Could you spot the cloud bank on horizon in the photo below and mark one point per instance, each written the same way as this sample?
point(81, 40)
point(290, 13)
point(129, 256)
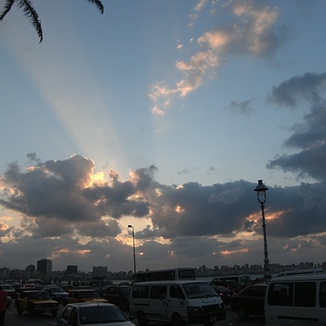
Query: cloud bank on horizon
point(61, 201)
point(73, 212)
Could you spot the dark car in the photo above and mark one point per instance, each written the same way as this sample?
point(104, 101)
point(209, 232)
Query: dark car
point(56, 292)
point(225, 293)
point(249, 301)
point(118, 295)
point(11, 292)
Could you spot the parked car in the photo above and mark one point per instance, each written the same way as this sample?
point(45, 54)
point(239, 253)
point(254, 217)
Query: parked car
point(36, 303)
point(225, 293)
point(249, 301)
point(56, 292)
point(91, 313)
point(11, 292)
point(83, 295)
point(118, 295)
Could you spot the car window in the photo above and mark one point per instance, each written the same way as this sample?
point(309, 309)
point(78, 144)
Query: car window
point(140, 291)
point(66, 313)
point(305, 294)
point(73, 316)
point(261, 291)
point(281, 294)
point(323, 294)
point(250, 291)
point(158, 292)
point(126, 290)
point(176, 292)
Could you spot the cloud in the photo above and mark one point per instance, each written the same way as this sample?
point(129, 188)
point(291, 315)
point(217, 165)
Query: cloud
point(185, 221)
point(251, 32)
point(308, 136)
point(308, 87)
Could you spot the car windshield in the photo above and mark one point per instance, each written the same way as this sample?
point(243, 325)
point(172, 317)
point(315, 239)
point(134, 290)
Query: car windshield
point(101, 315)
point(199, 290)
point(126, 290)
point(39, 296)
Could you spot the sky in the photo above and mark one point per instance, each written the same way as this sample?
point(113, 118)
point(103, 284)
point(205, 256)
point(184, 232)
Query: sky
point(163, 115)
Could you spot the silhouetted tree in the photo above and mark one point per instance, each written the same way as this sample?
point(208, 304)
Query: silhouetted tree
point(30, 12)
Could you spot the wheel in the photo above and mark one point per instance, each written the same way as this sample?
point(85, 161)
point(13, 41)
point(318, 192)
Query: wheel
point(177, 320)
point(142, 319)
point(243, 313)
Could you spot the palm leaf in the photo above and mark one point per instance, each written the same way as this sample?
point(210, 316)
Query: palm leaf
point(6, 8)
point(98, 4)
point(31, 13)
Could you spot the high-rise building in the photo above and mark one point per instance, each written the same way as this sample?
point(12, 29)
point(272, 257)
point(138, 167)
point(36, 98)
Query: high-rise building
point(100, 271)
point(44, 266)
point(72, 270)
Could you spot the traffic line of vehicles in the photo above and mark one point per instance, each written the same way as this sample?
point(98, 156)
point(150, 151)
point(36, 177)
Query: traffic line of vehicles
point(176, 296)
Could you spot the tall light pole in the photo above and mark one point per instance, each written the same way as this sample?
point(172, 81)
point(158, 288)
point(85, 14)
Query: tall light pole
point(133, 246)
point(261, 195)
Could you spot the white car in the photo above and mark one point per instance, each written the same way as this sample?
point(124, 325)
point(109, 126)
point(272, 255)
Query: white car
point(92, 313)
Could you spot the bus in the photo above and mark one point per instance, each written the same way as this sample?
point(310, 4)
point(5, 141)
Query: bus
point(183, 273)
point(231, 281)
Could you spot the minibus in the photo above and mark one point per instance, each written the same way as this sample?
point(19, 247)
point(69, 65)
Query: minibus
point(178, 302)
point(296, 300)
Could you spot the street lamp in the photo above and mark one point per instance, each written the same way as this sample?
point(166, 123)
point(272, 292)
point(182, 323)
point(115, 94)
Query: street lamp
point(261, 196)
point(133, 246)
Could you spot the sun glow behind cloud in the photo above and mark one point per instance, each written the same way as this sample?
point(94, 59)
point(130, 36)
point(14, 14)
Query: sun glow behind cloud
point(81, 108)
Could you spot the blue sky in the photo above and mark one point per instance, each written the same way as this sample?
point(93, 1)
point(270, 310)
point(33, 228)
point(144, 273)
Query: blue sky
point(163, 115)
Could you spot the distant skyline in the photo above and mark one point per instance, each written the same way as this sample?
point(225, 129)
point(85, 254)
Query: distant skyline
point(163, 115)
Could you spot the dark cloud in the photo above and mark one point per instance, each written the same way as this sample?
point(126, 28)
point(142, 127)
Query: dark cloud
point(308, 136)
point(307, 87)
point(189, 219)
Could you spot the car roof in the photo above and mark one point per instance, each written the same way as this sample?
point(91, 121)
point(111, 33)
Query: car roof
point(300, 277)
point(90, 304)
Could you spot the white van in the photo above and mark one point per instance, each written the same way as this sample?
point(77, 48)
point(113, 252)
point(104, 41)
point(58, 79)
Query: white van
point(298, 300)
point(179, 302)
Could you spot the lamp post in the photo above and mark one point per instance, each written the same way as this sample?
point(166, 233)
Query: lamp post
point(261, 196)
point(133, 246)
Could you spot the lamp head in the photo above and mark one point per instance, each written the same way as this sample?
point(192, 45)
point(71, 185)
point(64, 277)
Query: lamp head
point(261, 192)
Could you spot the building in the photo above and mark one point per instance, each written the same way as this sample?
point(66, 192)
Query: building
point(44, 266)
point(100, 271)
point(72, 270)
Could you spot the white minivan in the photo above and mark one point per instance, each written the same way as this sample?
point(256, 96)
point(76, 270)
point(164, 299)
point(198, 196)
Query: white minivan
point(178, 302)
point(298, 300)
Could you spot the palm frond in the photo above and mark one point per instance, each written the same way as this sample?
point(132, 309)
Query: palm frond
point(31, 13)
point(6, 8)
point(98, 4)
